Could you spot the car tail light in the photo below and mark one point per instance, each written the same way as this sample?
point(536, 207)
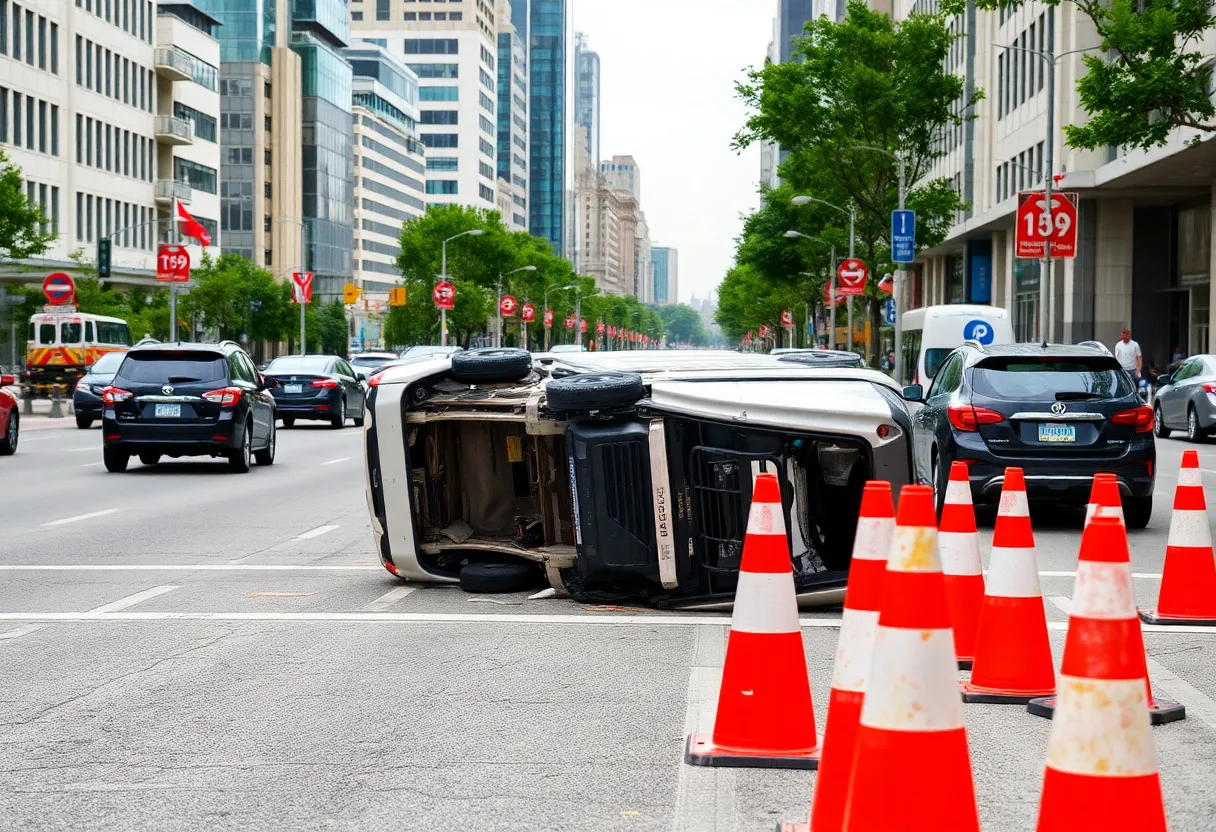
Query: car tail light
point(966, 418)
point(227, 397)
point(1210, 387)
point(113, 395)
point(374, 381)
point(1141, 417)
point(327, 383)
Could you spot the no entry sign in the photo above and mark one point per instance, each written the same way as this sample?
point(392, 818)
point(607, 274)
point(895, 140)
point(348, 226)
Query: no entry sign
point(444, 294)
point(507, 305)
point(59, 289)
point(851, 278)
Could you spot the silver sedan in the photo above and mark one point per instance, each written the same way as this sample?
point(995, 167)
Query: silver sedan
point(1186, 400)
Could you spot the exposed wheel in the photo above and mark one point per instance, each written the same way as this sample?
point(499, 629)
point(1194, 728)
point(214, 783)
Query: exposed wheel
point(1193, 432)
point(339, 421)
point(594, 391)
point(510, 576)
point(266, 455)
point(1137, 511)
point(239, 460)
point(8, 446)
point(149, 459)
point(116, 461)
point(358, 420)
point(939, 487)
point(1159, 424)
point(491, 364)
point(289, 421)
point(83, 422)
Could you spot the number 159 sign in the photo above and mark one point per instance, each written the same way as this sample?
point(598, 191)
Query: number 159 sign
point(173, 264)
point(1033, 224)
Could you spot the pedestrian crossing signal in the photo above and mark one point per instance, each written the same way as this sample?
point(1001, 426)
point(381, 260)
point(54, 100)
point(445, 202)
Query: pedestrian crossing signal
point(350, 293)
point(396, 297)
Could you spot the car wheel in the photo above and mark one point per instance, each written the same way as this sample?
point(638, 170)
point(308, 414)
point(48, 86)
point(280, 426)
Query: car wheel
point(8, 447)
point(1137, 511)
point(239, 460)
point(1193, 432)
point(594, 391)
point(358, 420)
point(84, 422)
point(939, 490)
point(510, 576)
point(1162, 431)
point(149, 459)
point(491, 364)
point(339, 421)
point(116, 461)
point(266, 455)
point(289, 421)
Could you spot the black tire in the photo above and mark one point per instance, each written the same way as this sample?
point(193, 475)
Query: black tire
point(266, 455)
point(1194, 433)
point(357, 421)
point(1159, 424)
point(116, 461)
point(491, 364)
point(8, 445)
point(939, 485)
point(510, 576)
point(594, 391)
point(240, 460)
point(289, 421)
point(338, 422)
point(149, 459)
point(1137, 511)
point(83, 422)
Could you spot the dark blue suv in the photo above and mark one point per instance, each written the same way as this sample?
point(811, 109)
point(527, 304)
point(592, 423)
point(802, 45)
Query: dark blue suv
point(1061, 413)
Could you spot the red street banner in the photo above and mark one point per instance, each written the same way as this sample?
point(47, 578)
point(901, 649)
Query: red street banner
point(172, 264)
point(569, 322)
point(301, 287)
point(582, 325)
point(507, 305)
point(1033, 225)
point(851, 277)
point(645, 339)
point(599, 328)
point(444, 294)
point(763, 331)
point(549, 318)
point(787, 319)
point(528, 313)
point(611, 331)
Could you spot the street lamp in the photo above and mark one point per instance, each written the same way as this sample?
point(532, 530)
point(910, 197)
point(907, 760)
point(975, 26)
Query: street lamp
point(851, 213)
point(443, 276)
point(792, 234)
point(498, 336)
point(548, 329)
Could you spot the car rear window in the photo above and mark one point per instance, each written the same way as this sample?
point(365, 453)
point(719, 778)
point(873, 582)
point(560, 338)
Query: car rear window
point(1074, 379)
point(173, 367)
point(108, 363)
point(371, 360)
point(298, 364)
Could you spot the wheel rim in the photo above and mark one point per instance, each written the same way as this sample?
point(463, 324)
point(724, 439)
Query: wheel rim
point(1191, 427)
point(248, 444)
point(1157, 418)
point(274, 432)
point(935, 485)
point(344, 411)
point(10, 433)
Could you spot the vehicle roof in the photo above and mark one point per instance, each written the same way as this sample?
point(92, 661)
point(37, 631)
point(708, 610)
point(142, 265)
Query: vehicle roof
point(316, 356)
point(82, 315)
point(184, 346)
point(374, 354)
point(914, 318)
point(976, 354)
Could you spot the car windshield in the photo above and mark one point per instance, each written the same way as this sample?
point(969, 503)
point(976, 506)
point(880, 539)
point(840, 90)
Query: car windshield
point(173, 367)
point(371, 360)
point(298, 364)
point(934, 356)
point(1051, 380)
point(108, 363)
point(420, 352)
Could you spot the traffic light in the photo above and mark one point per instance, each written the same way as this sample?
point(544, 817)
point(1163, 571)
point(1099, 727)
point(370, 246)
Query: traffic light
point(396, 297)
point(103, 257)
point(350, 293)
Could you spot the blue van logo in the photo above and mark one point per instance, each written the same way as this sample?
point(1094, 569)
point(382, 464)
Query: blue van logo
point(980, 331)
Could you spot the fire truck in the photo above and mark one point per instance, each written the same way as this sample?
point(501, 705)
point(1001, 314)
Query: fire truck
point(63, 345)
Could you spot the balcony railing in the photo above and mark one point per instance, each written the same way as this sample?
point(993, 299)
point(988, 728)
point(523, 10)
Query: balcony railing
point(173, 63)
point(167, 190)
point(173, 130)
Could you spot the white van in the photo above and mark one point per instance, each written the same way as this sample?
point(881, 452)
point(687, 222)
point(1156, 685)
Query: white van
point(930, 333)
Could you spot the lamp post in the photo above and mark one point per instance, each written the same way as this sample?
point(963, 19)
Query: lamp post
point(498, 336)
point(831, 288)
point(443, 276)
point(851, 213)
point(549, 329)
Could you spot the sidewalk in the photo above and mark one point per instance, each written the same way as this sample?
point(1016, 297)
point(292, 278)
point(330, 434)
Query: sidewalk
point(42, 408)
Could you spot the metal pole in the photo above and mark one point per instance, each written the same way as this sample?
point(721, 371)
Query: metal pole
point(303, 348)
point(578, 319)
point(852, 241)
point(498, 329)
point(832, 301)
point(897, 296)
point(547, 328)
point(173, 312)
point(1045, 266)
point(443, 312)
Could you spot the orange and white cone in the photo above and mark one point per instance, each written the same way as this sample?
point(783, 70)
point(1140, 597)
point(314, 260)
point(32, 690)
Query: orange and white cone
point(1104, 497)
point(765, 718)
point(1012, 651)
point(911, 770)
point(959, 545)
point(1101, 762)
point(1188, 581)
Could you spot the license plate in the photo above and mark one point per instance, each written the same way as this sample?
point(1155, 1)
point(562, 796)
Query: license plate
point(293, 388)
point(168, 411)
point(1057, 433)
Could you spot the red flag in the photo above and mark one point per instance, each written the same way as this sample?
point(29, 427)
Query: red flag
point(190, 226)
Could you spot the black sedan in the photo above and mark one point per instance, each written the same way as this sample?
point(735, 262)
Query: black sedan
point(1186, 399)
point(322, 387)
point(86, 399)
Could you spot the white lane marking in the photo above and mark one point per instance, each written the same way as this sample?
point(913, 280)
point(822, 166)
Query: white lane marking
point(92, 464)
point(1063, 604)
point(77, 518)
point(1148, 576)
point(705, 795)
point(20, 631)
point(80, 450)
point(180, 567)
point(336, 461)
point(388, 599)
point(1166, 682)
point(131, 600)
point(317, 532)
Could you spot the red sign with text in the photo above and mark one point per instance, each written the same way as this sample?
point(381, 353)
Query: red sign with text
point(301, 287)
point(851, 278)
point(444, 294)
point(172, 264)
point(1033, 225)
point(569, 322)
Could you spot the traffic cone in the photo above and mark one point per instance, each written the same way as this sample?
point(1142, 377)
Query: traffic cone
point(1188, 581)
point(959, 545)
point(1012, 652)
point(1101, 763)
point(765, 717)
point(1104, 496)
point(911, 770)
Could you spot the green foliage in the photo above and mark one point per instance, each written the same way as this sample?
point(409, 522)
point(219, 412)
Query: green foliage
point(331, 332)
point(683, 324)
point(21, 234)
point(239, 300)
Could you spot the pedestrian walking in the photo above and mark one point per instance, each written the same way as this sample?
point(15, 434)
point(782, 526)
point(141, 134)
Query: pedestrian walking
point(1128, 354)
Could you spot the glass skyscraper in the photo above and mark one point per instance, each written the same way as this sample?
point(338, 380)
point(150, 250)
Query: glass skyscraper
point(587, 95)
point(542, 25)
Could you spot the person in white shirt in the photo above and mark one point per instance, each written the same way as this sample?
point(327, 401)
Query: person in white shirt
point(1128, 354)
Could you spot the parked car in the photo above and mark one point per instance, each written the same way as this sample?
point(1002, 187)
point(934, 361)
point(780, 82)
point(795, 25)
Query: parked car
point(1186, 399)
point(622, 475)
point(821, 358)
point(1061, 413)
point(367, 364)
point(10, 421)
point(321, 387)
point(186, 399)
point(421, 351)
point(560, 348)
point(86, 398)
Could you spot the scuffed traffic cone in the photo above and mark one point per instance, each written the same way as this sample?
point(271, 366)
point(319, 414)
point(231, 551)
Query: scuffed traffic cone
point(911, 770)
point(1101, 763)
point(1188, 581)
point(1012, 652)
point(1114, 564)
point(959, 545)
point(1104, 497)
point(765, 718)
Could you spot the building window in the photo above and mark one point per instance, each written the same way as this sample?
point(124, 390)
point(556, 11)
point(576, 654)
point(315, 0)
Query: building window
point(445, 140)
point(486, 193)
point(266, 190)
point(441, 186)
point(487, 103)
point(439, 93)
point(487, 148)
point(424, 15)
point(199, 177)
point(436, 70)
point(444, 163)
point(204, 125)
point(42, 127)
point(455, 16)
point(408, 16)
point(438, 117)
point(382, 9)
point(486, 171)
point(266, 257)
point(432, 46)
point(54, 130)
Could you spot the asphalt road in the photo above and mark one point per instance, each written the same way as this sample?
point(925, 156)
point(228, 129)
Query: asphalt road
point(183, 648)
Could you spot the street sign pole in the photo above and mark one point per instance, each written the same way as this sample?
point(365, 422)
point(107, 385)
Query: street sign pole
point(832, 302)
point(897, 292)
point(303, 349)
point(1045, 271)
point(173, 312)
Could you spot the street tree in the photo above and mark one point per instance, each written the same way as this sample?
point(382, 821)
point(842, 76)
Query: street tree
point(21, 221)
point(683, 324)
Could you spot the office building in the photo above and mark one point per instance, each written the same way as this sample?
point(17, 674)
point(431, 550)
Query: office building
point(666, 274)
point(512, 121)
point(453, 49)
point(788, 24)
point(587, 94)
point(543, 26)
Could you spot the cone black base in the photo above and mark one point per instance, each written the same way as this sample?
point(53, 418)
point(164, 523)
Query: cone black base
point(977, 697)
point(1151, 617)
point(1161, 711)
point(701, 751)
point(965, 664)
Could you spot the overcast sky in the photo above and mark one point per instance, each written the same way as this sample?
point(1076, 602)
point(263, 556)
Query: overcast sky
point(667, 98)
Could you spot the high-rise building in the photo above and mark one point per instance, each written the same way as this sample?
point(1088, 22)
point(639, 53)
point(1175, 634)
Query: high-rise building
point(453, 49)
point(512, 121)
point(587, 94)
point(543, 25)
point(666, 267)
point(622, 174)
point(788, 24)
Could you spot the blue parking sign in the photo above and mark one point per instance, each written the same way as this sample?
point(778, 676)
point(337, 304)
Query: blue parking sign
point(888, 312)
point(979, 330)
point(903, 236)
